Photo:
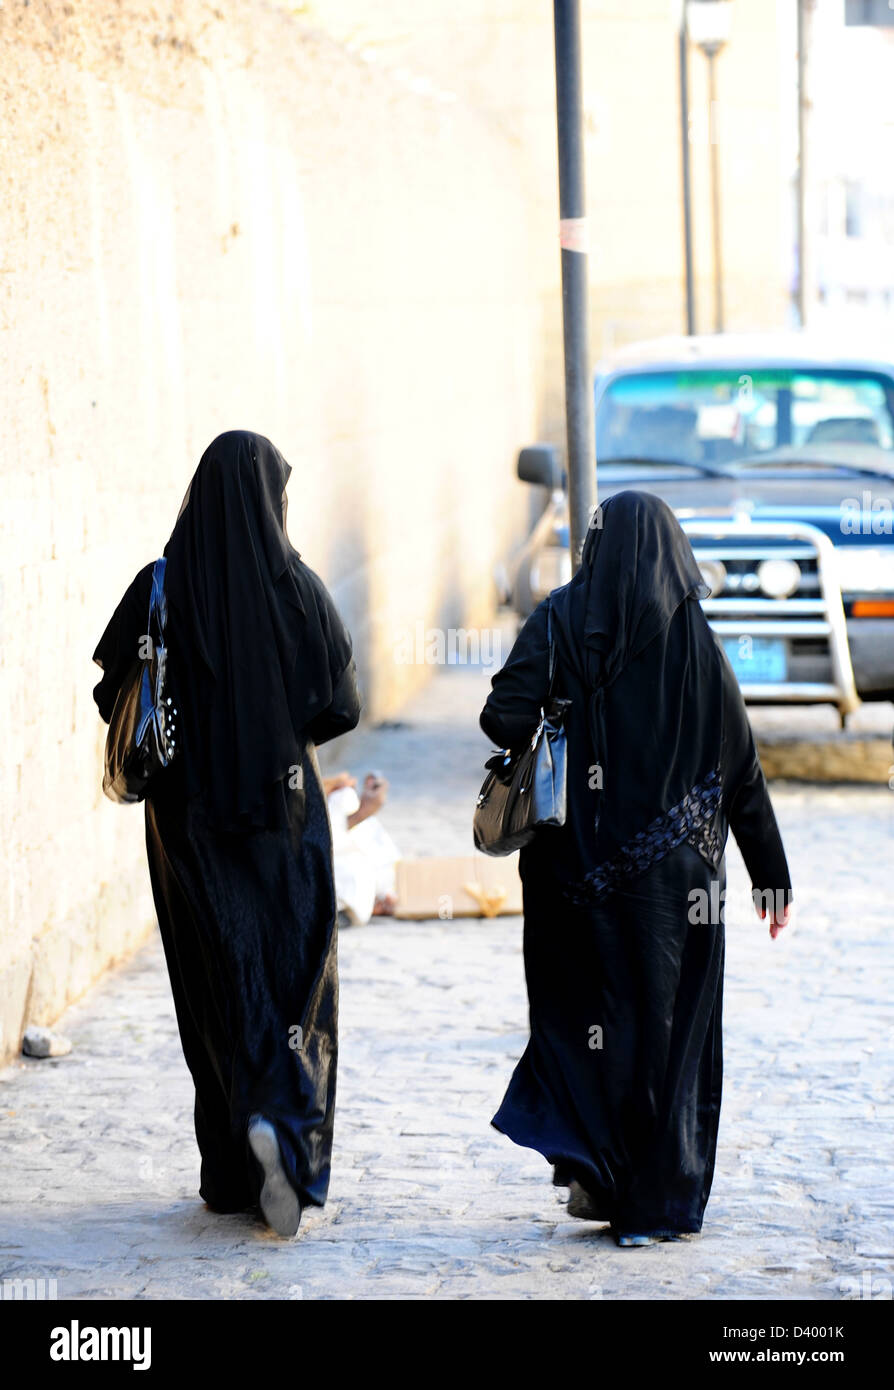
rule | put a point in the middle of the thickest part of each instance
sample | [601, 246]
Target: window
[708, 416]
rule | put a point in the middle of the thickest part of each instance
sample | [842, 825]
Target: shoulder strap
[158, 608]
[552, 649]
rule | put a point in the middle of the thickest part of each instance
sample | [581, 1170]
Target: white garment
[364, 856]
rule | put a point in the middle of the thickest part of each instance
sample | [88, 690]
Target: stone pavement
[99, 1165]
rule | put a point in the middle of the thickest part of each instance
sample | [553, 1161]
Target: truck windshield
[708, 416]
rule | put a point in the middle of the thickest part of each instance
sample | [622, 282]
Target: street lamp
[709, 23]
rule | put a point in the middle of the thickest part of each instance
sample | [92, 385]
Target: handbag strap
[552, 650]
[158, 607]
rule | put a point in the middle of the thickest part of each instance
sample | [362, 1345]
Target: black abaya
[619, 1086]
[243, 888]
[247, 923]
[629, 1111]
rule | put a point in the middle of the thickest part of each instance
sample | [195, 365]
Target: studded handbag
[143, 732]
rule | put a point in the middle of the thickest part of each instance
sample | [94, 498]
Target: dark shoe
[279, 1200]
[581, 1204]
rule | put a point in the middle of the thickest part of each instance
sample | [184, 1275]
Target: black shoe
[581, 1204]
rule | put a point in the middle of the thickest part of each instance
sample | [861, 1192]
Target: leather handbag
[143, 733]
[525, 790]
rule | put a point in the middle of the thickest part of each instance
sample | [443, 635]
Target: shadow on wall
[346, 576]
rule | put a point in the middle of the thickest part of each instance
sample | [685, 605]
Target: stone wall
[216, 217]
[333, 223]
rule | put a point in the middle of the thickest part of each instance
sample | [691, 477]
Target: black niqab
[252, 639]
[636, 569]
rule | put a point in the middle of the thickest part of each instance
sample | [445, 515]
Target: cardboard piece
[470, 885]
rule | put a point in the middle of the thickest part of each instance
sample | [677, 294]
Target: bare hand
[372, 799]
[374, 793]
[337, 782]
[778, 920]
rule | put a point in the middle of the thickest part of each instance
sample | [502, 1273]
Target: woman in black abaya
[237, 831]
[619, 1086]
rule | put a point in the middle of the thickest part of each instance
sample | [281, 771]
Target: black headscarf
[640, 650]
[256, 646]
[636, 569]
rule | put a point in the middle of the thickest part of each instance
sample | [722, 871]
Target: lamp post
[709, 23]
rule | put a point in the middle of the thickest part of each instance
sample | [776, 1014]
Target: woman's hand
[779, 918]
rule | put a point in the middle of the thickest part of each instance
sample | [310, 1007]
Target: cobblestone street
[100, 1167]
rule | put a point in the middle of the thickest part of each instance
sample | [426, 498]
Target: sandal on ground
[648, 1238]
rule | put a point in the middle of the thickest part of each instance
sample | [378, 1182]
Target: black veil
[629, 628]
[636, 569]
[257, 648]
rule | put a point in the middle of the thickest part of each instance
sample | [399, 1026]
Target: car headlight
[551, 568]
[713, 572]
[778, 578]
[866, 568]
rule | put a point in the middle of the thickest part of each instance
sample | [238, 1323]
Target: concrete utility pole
[575, 303]
[686, 168]
[805, 267]
[716, 232]
[709, 24]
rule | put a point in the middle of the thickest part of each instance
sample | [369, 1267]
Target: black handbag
[525, 791]
[143, 733]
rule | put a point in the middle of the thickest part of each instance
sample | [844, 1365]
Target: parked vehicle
[778, 458]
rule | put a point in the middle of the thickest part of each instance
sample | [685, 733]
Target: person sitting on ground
[363, 851]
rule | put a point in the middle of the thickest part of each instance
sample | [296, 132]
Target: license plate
[757, 660]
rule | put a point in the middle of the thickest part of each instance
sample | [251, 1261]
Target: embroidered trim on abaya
[693, 819]
[655, 706]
